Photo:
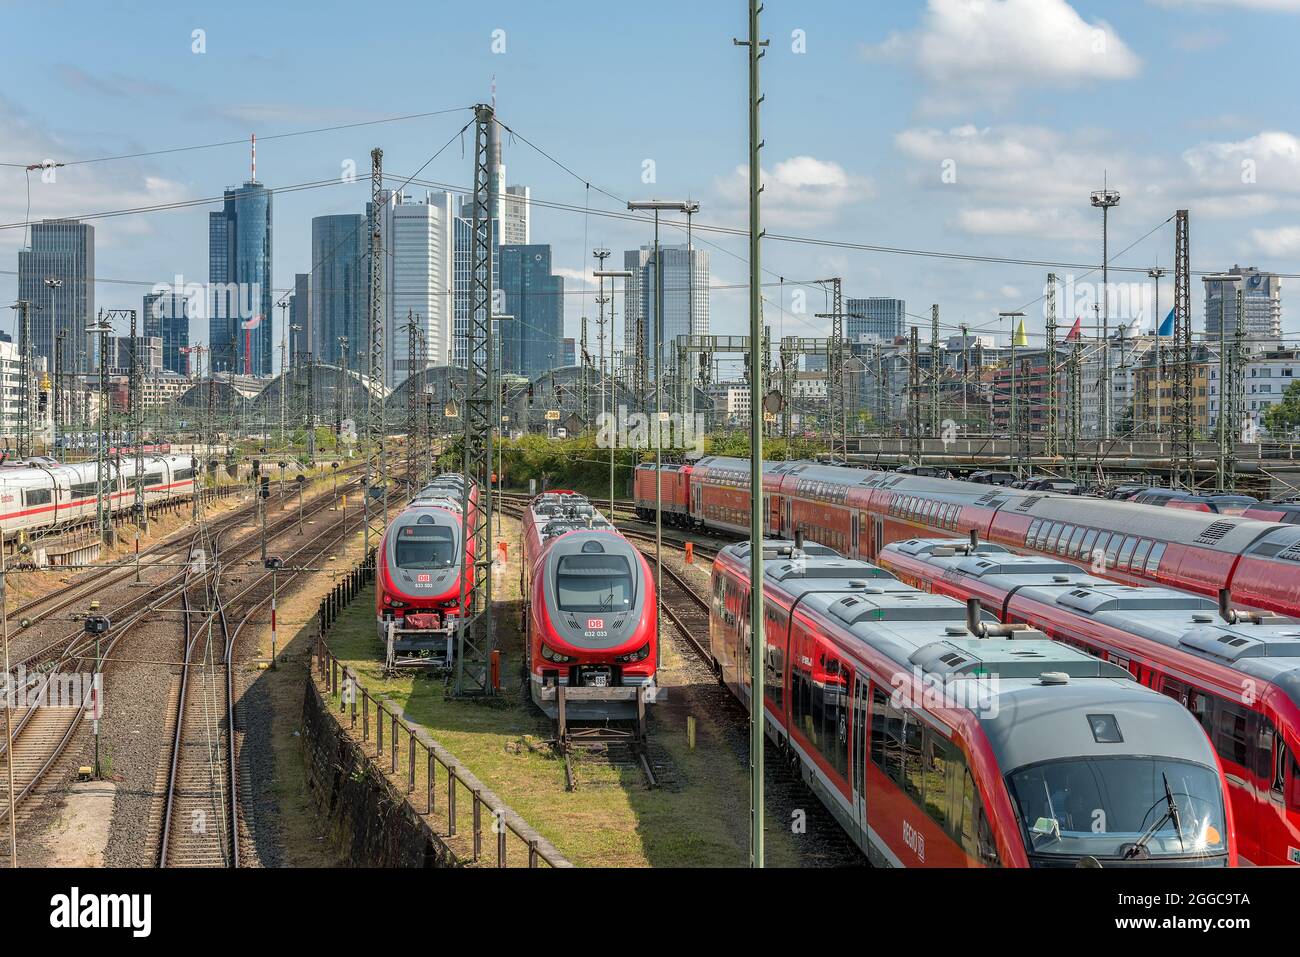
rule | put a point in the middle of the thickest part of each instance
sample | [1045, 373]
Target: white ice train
[40, 496]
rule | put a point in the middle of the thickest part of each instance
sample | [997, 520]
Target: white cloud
[1268, 161]
[990, 48]
[1282, 241]
[799, 192]
[1282, 6]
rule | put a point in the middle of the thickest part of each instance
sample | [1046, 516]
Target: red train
[589, 605]
[940, 739]
[858, 512]
[423, 569]
[1238, 674]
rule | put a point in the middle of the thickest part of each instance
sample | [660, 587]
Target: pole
[1155, 273]
[758, 639]
[659, 435]
[273, 608]
[10, 701]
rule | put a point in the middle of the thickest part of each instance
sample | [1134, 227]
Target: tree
[1284, 417]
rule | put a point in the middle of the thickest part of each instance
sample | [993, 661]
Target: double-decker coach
[940, 739]
[1237, 673]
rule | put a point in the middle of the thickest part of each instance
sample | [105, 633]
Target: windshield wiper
[1171, 814]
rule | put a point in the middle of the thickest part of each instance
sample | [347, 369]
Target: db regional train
[39, 496]
[859, 512]
[425, 569]
[1237, 673]
[589, 612]
[939, 738]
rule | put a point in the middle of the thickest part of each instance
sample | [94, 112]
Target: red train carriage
[673, 491]
[1238, 675]
[589, 612]
[860, 511]
[937, 741]
[419, 587]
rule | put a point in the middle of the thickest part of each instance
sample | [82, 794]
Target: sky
[964, 128]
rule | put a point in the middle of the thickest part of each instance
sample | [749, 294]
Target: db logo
[595, 622]
[422, 578]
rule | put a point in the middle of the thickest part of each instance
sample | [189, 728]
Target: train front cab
[418, 591]
[592, 629]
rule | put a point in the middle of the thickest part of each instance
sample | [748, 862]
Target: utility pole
[1075, 389]
[1183, 425]
[1105, 199]
[1051, 443]
[376, 479]
[1224, 428]
[611, 275]
[284, 363]
[1017, 451]
[935, 415]
[914, 394]
[341, 390]
[24, 379]
[103, 513]
[1238, 377]
[135, 409]
[758, 641]
[1155, 272]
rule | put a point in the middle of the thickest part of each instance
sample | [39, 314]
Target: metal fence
[416, 756]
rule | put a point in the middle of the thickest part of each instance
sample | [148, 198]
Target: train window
[774, 669]
[1139, 562]
[1202, 706]
[1281, 757]
[1089, 540]
[886, 735]
[936, 769]
[426, 546]
[153, 478]
[591, 583]
[1153, 560]
[1173, 688]
[1032, 535]
[1293, 786]
[1232, 732]
[913, 780]
[834, 744]
[1112, 549]
[84, 490]
[976, 834]
[36, 496]
[1054, 535]
[1126, 551]
[1063, 543]
[182, 475]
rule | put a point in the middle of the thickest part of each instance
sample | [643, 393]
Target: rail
[356, 701]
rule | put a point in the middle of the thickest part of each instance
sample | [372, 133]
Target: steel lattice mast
[376, 480]
[475, 636]
[935, 417]
[1183, 425]
[1051, 445]
[136, 400]
[914, 394]
[24, 379]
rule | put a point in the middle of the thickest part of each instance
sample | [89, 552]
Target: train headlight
[550, 654]
[641, 654]
[397, 604]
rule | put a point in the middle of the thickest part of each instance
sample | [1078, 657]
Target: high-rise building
[882, 318]
[167, 318]
[686, 304]
[239, 274]
[513, 214]
[419, 248]
[1263, 302]
[63, 252]
[340, 291]
[300, 324]
[531, 341]
[570, 350]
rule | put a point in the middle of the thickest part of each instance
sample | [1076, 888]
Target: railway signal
[98, 626]
[273, 565]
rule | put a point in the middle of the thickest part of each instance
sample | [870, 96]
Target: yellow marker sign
[552, 415]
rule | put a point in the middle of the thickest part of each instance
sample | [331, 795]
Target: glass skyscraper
[686, 303]
[239, 272]
[167, 318]
[62, 250]
[883, 318]
[532, 341]
[340, 258]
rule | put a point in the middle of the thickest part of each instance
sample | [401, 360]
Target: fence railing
[418, 757]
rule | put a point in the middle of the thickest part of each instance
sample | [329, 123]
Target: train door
[878, 542]
[857, 532]
[860, 699]
[695, 508]
[775, 527]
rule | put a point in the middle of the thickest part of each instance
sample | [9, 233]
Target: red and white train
[424, 569]
[859, 512]
[40, 496]
[1239, 675]
[589, 608]
[938, 739]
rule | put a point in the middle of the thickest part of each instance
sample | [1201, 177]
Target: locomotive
[1237, 673]
[589, 608]
[424, 570]
[859, 511]
[41, 496]
[939, 738]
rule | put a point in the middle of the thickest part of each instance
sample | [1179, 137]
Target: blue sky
[1184, 103]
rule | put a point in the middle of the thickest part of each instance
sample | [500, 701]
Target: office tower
[1263, 302]
[340, 291]
[167, 318]
[686, 303]
[883, 318]
[300, 324]
[420, 249]
[531, 342]
[62, 251]
[239, 273]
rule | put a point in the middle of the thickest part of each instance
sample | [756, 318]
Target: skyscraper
[532, 341]
[300, 325]
[239, 274]
[883, 318]
[167, 318]
[686, 303]
[340, 258]
[419, 242]
[62, 251]
[1263, 302]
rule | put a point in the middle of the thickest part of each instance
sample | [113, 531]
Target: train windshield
[1123, 808]
[594, 583]
[426, 547]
